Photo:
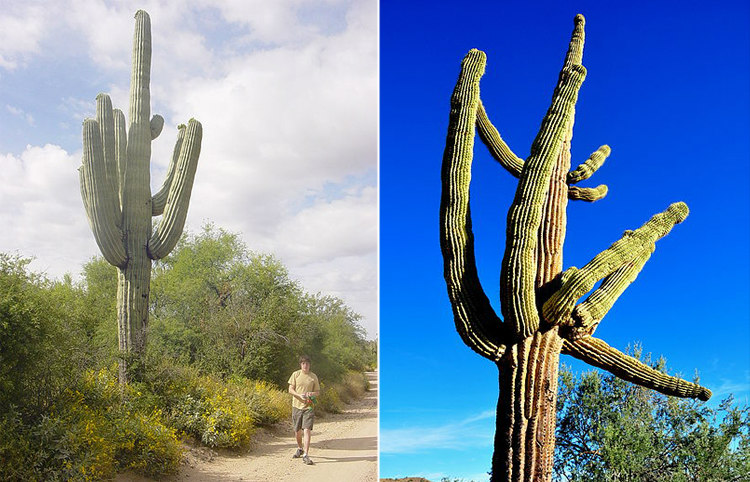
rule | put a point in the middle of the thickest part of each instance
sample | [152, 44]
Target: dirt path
[344, 448]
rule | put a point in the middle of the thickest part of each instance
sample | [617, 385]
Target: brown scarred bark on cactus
[115, 187]
[541, 319]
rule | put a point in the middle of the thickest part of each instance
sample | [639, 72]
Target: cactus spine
[116, 192]
[541, 319]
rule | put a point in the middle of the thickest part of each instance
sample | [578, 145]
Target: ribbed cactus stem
[588, 194]
[159, 200]
[537, 298]
[587, 315]
[496, 145]
[558, 307]
[168, 232]
[599, 354]
[474, 317]
[590, 166]
[115, 186]
[518, 274]
[100, 202]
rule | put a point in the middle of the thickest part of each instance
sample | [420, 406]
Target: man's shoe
[298, 453]
[307, 460]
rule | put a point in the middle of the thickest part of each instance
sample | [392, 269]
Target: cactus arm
[159, 200]
[156, 125]
[518, 273]
[590, 166]
[168, 232]
[98, 198]
[106, 121]
[475, 320]
[599, 354]
[588, 194]
[587, 315]
[121, 149]
[496, 145]
[558, 307]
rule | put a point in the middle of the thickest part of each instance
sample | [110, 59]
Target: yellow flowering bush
[214, 413]
[92, 435]
[267, 403]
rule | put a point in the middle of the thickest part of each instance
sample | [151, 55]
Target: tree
[541, 319]
[233, 312]
[610, 430]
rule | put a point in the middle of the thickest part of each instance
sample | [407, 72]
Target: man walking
[304, 387]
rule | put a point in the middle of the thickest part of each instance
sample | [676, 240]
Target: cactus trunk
[526, 417]
[116, 192]
[541, 319]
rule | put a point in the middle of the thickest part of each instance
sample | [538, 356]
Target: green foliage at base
[90, 434]
[226, 329]
[334, 396]
[611, 430]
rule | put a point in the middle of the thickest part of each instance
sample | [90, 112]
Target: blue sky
[286, 91]
[668, 88]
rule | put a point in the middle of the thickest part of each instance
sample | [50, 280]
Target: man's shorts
[302, 418]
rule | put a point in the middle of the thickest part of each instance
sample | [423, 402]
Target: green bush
[214, 413]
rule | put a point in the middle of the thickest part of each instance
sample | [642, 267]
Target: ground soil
[344, 448]
[406, 479]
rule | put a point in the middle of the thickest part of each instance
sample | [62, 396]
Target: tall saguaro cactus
[115, 187]
[541, 319]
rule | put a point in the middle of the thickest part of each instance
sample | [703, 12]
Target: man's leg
[297, 427]
[298, 434]
[306, 440]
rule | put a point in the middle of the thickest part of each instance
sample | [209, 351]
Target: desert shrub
[334, 396]
[147, 446]
[329, 400]
[214, 413]
[89, 435]
[267, 403]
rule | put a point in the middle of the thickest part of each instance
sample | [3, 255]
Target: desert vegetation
[226, 325]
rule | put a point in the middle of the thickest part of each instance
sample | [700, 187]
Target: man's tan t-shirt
[302, 383]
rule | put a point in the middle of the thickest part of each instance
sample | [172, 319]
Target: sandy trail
[344, 448]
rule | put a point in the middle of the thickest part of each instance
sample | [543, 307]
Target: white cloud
[21, 31]
[458, 435]
[20, 113]
[289, 111]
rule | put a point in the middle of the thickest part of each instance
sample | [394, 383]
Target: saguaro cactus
[116, 192]
[541, 319]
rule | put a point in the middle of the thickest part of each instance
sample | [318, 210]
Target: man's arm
[294, 393]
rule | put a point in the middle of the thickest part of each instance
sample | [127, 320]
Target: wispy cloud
[457, 435]
[20, 113]
[739, 387]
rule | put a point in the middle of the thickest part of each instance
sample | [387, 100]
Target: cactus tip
[705, 394]
[679, 210]
[580, 19]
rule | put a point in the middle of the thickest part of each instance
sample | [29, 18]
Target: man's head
[304, 363]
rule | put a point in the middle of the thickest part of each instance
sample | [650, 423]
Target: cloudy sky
[287, 92]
